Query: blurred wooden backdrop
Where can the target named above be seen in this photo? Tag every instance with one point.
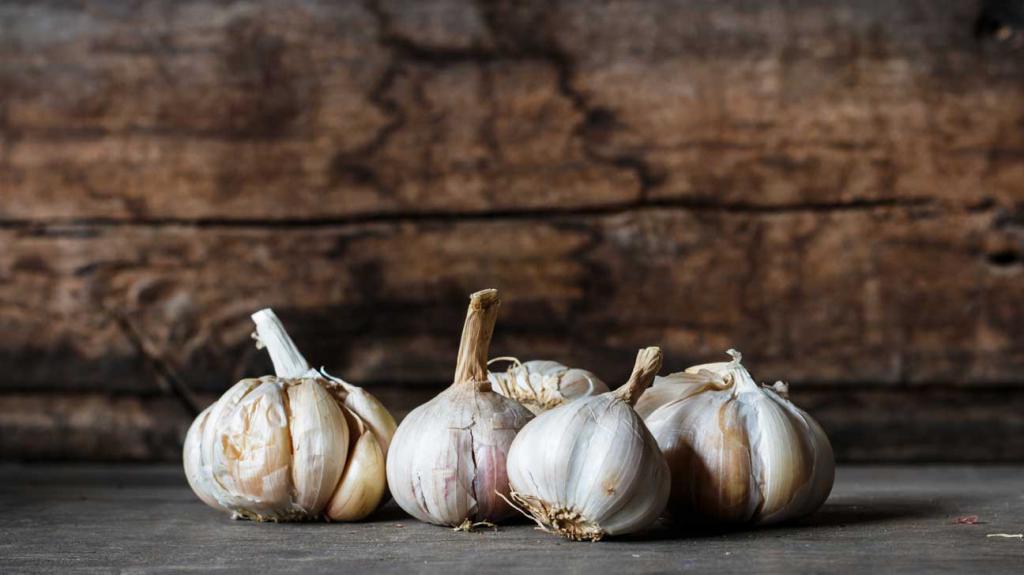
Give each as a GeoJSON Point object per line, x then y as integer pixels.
{"type": "Point", "coordinates": [836, 188]}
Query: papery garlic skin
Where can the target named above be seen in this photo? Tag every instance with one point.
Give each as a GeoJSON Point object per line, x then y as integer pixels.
{"type": "Point", "coordinates": [739, 453]}
{"type": "Point", "coordinates": [355, 497]}
{"type": "Point", "coordinates": [289, 447]}
{"type": "Point", "coordinates": [590, 468]}
{"type": "Point", "coordinates": [446, 464]}
{"type": "Point", "coordinates": [540, 385]}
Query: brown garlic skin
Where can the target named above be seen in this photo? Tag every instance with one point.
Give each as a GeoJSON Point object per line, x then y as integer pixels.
{"type": "Point", "coordinates": [297, 446]}
{"type": "Point", "coordinates": [447, 460]}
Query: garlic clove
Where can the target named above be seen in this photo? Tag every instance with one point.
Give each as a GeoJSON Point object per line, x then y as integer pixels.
{"type": "Point", "coordinates": [193, 461]}
{"type": "Point", "coordinates": [369, 409]}
{"type": "Point", "coordinates": [822, 473]}
{"type": "Point", "coordinates": [608, 485]}
{"type": "Point", "coordinates": [709, 458]}
{"type": "Point", "coordinates": [491, 438]}
{"type": "Point", "coordinates": [780, 463]}
{"type": "Point", "coordinates": [540, 462]}
{"type": "Point", "coordinates": [643, 505]}
{"type": "Point", "coordinates": [211, 439]}
{"type": "Point", "coordinates": [252, 456]}
{"type": "Point", "coordinates": [362, 485]}
{"type": "Point", "coordinates": [319, 443]}
{"type": "Point", "coordinates": [439, 461]}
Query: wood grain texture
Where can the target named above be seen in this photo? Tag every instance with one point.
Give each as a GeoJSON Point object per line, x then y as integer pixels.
{"type": "Point", "coordinates": [884, 295]}
{"type": "Point", "coordinates": [310, 110]}
{"type": "Point", "coordinates": [878, 519]}
{"type": "Point", "coordinates": [834, 188]}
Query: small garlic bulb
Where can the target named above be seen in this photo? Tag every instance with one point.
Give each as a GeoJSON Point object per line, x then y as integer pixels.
{"type": "Point", "coordinates": [447, 460]}
{"type": "Point", "coordinates": [739, 453]}
{"type": "Point", "coordinates": [290, 447]}
{"type": "Point", "coordinates": [540, 385]}
{"type": "Point", "coordinates": [589, 467]}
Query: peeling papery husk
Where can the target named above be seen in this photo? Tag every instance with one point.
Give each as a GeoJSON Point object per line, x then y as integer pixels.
{"type": "Point", "coordinates": [292, 447]}
{"type": "Point", "coordinates": [739, 453]}
{"type": "Point", "coordinates": [590, 468]}
{"type": "Point", "coordinates": [447, 460]}
{"type": "Point", "coordinates": [540, 385]}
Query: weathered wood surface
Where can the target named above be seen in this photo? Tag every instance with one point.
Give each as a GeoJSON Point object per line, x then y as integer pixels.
{"type": "Point", "coordinates": [310, 110]}
{"type": "Point", "coordinates": [884, 295]}
{"type": "Point", "coordinates": [145, 520]}
{"type": "Point", "coordinates": [835, 188]}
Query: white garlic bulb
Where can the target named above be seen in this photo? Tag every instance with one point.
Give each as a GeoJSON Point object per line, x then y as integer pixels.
{"type": "Point", "coordinates": [540, 385]}
{"type": "Point", "coordinates": [290, 447]}
{"type": "Point", "coordinates": [447, 459]}
{"type": "Point", "coordinates": [739, 452]}
{"type": "Point", "coordinates": [589, 467]}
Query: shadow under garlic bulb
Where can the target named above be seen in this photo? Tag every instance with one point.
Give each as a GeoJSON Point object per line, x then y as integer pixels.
{"type": "Point", "coordinates": [739, 453]}
{"type": "Point", "coordinates": [300, 445]}
{"type": "Point", "coordinates": [590, 468]}
{"type": "Point", "coordinates": [540, 384]}
{"type": "Point", "coordinates": [447, 461]}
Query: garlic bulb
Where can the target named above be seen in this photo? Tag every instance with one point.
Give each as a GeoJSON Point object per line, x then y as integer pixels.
{"type": "Point", "coordinates": [295, 446]}
{"type": "Point", "coordinates": [739, 453]}
{"type": "Point", "coordinates": [540, 385]}
{"type": "Point", "coordinates": [590, 468]}
{"type": "Point", "coordinates": [447, 460]}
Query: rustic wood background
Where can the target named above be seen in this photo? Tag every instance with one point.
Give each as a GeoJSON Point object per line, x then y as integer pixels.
{"type": "Point", "coordinates": [836, 188]}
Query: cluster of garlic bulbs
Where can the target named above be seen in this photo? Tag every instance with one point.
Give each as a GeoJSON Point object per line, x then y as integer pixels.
{"type": "Point", "coordinates": [296, 446]}
{"type": "Point", "coordinates": [590, 467]}
{"type": "Point", "coordinates": [707, 444]}
{"type": "Point", "coordinates": [540, 385]}
{"type": "Point", "coordinates": [738, 452]}
{"type": "Point", "coordinates": [447, 460]}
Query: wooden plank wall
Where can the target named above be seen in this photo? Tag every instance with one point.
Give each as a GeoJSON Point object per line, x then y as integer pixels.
{"type": "Point", "coordinates": [834, 188]}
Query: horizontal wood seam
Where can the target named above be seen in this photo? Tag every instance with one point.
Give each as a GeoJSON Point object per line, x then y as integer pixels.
{"type": "Point", "coordinates": [442, 216]}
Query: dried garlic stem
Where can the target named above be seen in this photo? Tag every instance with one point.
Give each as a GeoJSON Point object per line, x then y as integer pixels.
{"type": "Point", "coordinates": [648, 362]}
{"type": "Point", "coordinates": [471, 367]}
{"type": "Point", "coordinates": [288, 362]}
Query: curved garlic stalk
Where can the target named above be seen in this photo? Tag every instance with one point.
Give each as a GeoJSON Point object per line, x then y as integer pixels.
{"type": "Point", "coordinates": [739, 453]}
{"type": "Point", "coordinates": [590, 468]}
{"type": "Point", "coordinates": [446, 464]}
{"type": "Point", "coordinates": [294, 446]}
{"type": "Point", "coordinates": [540, 385]}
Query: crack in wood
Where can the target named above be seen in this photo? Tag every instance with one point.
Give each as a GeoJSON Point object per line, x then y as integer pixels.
{"type": "Point", "coordinates": [541, 48]}
{"type": "Point", "coordinates": [57, 226]}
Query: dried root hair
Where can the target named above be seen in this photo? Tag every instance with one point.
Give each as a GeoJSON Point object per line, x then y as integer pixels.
{"type": "Point", "coordinates": [563, 521]}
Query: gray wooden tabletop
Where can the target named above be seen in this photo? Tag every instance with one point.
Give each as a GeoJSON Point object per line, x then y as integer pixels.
{"type": "Point", "coordinates": [145, 520]}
